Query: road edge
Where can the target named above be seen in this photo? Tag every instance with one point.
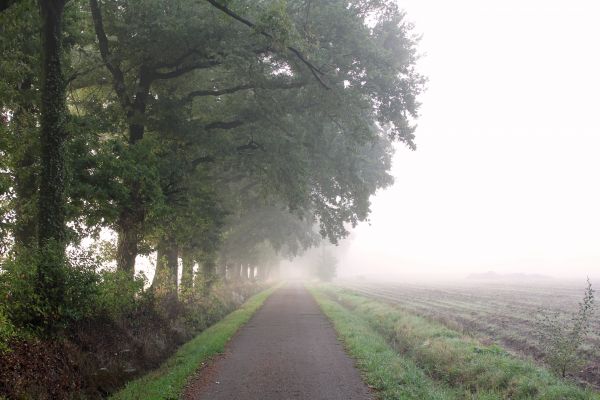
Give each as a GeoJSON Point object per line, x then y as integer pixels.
{"type": "Point", "coordinates": [171, 378]}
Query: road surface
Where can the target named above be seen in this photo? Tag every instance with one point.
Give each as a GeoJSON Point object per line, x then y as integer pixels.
{"type": "Point", "coordinates": [288, 350]}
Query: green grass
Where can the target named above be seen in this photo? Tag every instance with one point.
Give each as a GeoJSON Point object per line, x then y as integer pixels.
{"type": "Point", "coordinates": [392, 376]}
{"type": "Point", "coordinates": [448, 363]}
{"type": "Point", "coordinates": [168, 381]}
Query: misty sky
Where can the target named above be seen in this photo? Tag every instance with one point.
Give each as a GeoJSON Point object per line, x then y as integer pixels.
{"type": "Point", "coordinates": [505, 176]}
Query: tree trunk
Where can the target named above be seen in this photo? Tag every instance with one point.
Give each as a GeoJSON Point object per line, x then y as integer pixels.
{"type": "Point", "coordinates": [51, 219]}
{"type": "Point", "coordinates": [270, 271]}
{"type": "Point", "coordinates": [131, 219]}
{"type": "Point", "coordinates": [165, 276]}
{"type": "Point", "coordinates": [51, 206]}
{"type": "Point", "coordinates": [236, 274]}
{"type": "Point", "coordinates": [208, 271]}
{"type": "Point", "coordinates": [187, 271]}
{"type": "Point", "coordinates": [222, 269]}
{"type": "Point", "coordinates": [127, 243]}
{"type": "Point", "coordinates": [260, 273]}
{"type": "Point", "coordinates": [133, 215]}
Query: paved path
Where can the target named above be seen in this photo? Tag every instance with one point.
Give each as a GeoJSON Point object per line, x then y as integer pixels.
{"type": "Point", "coordinates": [288, 350]}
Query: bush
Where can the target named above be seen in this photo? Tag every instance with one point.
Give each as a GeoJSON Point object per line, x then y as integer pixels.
{"type": "Point", "coordinates": [7, 331]}
{"type": "Point", "coordinates": [17, 290]}
{"type": "Point", "coordinates": [118, 293]}
{"type": "Point", "coordinates": [561, 339]}
{"type": "Point", "coordinates": [86, 292]}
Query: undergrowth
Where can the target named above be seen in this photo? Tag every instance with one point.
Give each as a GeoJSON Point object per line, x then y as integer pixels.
{"type": "Point", "coordinates": [168, 381]}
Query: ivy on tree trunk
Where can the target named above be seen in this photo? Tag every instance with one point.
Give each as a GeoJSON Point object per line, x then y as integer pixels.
{"type": "Point", "coordinates": [51, 214]}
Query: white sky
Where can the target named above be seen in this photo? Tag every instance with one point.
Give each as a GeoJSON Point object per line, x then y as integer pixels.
{"type": "Point", "coordinates": [506, 174]}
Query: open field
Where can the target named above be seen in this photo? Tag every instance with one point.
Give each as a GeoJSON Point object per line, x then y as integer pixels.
{"type": "Point", "coordinates": [493, 312]}
{"type": "Point", "coordinates": [449, 364]}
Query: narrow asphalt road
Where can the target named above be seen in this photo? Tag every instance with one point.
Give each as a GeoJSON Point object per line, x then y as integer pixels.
{"type": "Point", "coordinates": [288, 350]}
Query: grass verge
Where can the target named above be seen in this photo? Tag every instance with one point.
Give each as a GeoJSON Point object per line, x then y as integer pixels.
{"type": "Point", "coordinates": [168, 381]}
{"type": "Point", "coordinates": [448, 364]}
{"type": "Point", "coordinates": [392, 376]}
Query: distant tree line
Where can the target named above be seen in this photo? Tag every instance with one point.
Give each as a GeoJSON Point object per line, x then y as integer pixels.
{"type": "Point", "coordinates": [215, 133]}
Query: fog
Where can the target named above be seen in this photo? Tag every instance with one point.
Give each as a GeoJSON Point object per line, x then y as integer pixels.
{"type": "Point", "coordinates": [505, 177]}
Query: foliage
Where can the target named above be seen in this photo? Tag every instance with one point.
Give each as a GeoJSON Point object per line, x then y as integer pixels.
{"type": "Point", "coordinates": [88, 291]}
{"type": "Point", "coordinates": [562, 339]}
{"type": "Point", "coordinates": [7, 330]}
{"type": "Point", "coordinates": [117, 294]}
{"type": "Point", "coordinates": [225, 133]}
{"type": "Point", "coordinates": [26, 308]}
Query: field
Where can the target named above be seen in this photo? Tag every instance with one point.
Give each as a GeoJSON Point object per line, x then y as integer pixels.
{"type": "Point", "coordinates": [493, 312]}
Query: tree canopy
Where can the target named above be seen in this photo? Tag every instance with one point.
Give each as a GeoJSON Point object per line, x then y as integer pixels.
{"type": "Point", "coordinates": [222, 133]}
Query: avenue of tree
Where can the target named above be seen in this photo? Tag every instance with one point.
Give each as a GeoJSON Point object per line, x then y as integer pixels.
{"type": "Point", "coordinates": [220, 134]}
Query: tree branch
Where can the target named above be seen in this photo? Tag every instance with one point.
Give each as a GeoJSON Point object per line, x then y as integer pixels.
{"type": "Point", "coordinates": [181, 70]}
{"type": "Point", "coordinates": [238, 88]}
{"type": "Point", "coordinates": [251, 145]}
{"type": "Point", "coordinates": [317, 73]}
{"type": "Point", "coordinates": [225, 124]}
{"type": "Point", "coordinates": [217, 92]}
{"type": "Point", "coordinates": [177, 61]}
{"type": "Point", "coordinates": [202, 160]}
{"type": "Point", "coordinates": [111, 65]}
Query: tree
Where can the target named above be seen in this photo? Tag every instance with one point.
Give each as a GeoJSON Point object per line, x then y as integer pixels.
{"type": "Point", "coordinates": [562, 339]}
{"type": "Point", "coordinates": [271, 85]}
{"type": "Point", "coordinates": [19, 105]}
{"type": "Point", "coordinates": [189, 222]}
{"type": "Point", "coordinates": [151, 56]}
{"type": "Point", "coordinates": [51, 206]}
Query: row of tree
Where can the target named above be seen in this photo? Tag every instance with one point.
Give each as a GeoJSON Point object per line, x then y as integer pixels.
{"type": "Point", "coordinates": [215, 132]}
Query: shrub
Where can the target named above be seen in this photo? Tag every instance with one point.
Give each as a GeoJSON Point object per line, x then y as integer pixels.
{"type": "Point", "coordinates": [561, 338]}
{"type": "Point", "coordinates": [118, 293]}
{"type": "Point", "coordinates": [17, 289]}
{"type": "Point", "coordinates": [7, 331]}
{"type": "Point", "coordinates": [83, 294]}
